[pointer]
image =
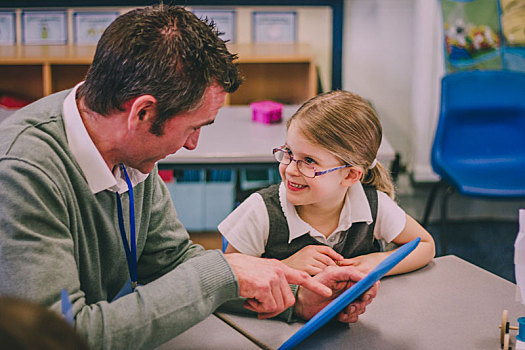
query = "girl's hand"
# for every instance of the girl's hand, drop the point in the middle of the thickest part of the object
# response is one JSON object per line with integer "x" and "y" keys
{"x": 313, "y": 259}
{"x": 338, "y": 279}
{"x": 364, "y": 263}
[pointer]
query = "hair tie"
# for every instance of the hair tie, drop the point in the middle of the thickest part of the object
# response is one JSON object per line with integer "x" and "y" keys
{"x": 372, "y": 166}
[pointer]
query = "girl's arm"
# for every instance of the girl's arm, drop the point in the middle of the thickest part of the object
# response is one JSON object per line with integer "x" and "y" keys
{"x": 421, "y": 256}
{"x": 424, "y": 252}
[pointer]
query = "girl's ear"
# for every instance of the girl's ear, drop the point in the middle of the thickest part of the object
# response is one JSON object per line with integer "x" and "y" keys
{"x": 353, "y": 175}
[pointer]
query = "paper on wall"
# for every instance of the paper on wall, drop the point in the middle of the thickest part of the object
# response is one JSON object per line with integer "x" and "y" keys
{"x": 519, "y": 259}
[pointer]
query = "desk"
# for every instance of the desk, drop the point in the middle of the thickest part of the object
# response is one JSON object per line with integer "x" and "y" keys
{"x": 212, "y": 333}
{"x": 235, "y": 141}
{"x": 449, "y": 304}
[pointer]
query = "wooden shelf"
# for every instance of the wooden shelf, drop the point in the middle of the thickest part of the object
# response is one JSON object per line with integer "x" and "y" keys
{"x": 281, "y": 72}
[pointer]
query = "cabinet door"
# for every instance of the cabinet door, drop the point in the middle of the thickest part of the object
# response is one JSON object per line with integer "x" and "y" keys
{"x": 25, "y": 81}
{"x": 64, "y": 76}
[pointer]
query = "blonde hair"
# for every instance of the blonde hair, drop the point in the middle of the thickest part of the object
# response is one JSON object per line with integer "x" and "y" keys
{"x": 347, "y": 126}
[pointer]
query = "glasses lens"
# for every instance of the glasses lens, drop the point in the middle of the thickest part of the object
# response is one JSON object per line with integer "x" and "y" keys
{"x": 305, "y": 169}
{"x": 281, "y": 156}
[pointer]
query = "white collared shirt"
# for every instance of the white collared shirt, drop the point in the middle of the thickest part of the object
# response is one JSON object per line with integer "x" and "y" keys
{"x": 95, "y": 169}
{"x": 247, "y": 227}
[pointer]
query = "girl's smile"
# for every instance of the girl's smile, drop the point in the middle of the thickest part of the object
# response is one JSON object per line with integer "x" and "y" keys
{"x": 293, "y": 186}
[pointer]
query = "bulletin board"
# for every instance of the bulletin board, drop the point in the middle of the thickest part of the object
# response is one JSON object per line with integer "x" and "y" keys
{"x": 484, "y": 34}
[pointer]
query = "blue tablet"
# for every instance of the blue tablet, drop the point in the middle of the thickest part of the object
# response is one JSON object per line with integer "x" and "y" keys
{"x": 349, "y": 295}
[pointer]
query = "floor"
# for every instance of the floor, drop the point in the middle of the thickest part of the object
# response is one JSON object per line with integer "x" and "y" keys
{"x": 479, "y": 231}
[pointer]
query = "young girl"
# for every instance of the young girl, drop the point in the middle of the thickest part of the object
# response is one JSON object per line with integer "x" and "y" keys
{"x": 335, "y": 202}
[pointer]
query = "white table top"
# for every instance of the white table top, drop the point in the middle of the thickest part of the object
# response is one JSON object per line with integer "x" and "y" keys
{"x": 449, "y": 304}
{"x": 235, "y": 139}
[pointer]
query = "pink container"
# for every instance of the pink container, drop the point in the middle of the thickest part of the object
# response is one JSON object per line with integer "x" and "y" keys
{"x": 267, "y": 112}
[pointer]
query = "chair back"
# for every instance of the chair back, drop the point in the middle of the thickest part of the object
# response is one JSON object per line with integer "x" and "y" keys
{"x": 481, "y": 133}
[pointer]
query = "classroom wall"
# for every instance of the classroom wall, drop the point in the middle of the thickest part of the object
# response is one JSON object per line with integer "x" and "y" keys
{"x": 392, "y": 56}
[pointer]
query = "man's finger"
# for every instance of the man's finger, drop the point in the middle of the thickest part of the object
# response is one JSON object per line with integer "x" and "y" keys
{"x": 277, "y": 296}
{"x": 314, "y": 270}
{"x": 303, "y": 279}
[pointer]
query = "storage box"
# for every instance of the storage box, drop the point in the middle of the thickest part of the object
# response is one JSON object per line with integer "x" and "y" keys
{"x": 203, "y": 198}
{"x": 266, "y": 112}
{"x": 188, "y": 197}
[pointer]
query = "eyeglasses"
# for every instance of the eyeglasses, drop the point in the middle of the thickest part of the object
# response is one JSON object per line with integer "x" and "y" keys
{"x": 285, "y": 157}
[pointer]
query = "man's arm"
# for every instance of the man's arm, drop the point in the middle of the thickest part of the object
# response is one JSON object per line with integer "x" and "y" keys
{"x": 39, "y": 255}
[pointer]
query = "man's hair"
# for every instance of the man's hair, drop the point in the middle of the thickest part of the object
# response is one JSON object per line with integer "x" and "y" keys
{"x": 164, "y": 51}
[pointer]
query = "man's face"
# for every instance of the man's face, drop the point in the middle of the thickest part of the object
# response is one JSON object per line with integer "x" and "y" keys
{"x": 182, "y": 130}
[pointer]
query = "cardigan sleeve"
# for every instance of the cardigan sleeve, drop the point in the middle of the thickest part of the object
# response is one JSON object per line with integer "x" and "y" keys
{"x": 38, "y": 257}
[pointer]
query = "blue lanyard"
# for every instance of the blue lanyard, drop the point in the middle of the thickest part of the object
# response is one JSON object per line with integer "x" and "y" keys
{"x": 131, "y": 254}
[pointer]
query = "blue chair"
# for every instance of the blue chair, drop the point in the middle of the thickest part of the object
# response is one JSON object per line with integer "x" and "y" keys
{"x": 479, "y": 145}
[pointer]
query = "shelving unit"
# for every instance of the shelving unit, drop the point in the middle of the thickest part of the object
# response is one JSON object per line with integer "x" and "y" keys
{"x": 281, "y": 72}
{"x": 37, "y": 71}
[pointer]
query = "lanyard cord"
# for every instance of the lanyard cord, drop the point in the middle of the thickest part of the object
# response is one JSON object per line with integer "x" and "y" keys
{"x": 131, "y": 254}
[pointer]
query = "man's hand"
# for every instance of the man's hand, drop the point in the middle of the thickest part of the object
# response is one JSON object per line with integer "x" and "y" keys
{"x": 264, "y": 282}
{"x": 338, "y": 279}
{"x": 313, "y": 259}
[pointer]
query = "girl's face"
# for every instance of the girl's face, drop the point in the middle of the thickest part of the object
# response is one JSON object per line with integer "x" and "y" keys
{"x": 327, "y": 190}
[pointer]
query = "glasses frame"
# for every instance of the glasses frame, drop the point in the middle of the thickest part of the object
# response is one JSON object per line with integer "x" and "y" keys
{"x": 299, "y": 161}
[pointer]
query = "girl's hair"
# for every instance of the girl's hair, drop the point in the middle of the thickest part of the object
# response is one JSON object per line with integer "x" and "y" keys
{"x": 347, "y": 126}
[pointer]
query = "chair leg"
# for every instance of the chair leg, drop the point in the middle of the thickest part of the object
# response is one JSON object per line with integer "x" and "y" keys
{"x": 443, "y": 225}
{"x": 430, "y": 203}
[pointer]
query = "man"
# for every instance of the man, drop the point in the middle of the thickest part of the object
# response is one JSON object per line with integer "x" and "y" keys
{"x": 74, "y": 164}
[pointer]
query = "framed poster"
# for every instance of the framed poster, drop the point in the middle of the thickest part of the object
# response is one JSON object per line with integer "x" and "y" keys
{"x": 224, "y": 19}
{"x": 274, "y": 27}
{"x": 44, "y": 27}
{"x": 7, "y": 28}
{"x": 89, "y": 26}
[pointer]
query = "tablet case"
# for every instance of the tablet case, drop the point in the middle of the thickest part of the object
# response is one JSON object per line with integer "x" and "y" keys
{"x": 339, "y": 303}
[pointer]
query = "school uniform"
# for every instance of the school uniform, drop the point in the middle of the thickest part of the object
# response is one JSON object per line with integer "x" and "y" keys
{"x": 267, "y": 225}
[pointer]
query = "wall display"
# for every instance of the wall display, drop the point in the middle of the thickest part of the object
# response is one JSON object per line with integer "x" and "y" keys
{"x": 224, "y": 19}
{"x": 44, "y": 27}
{"x": 274, "y": 27}
{"x": 7, "y": 28}
{"x": 89, "y": 26}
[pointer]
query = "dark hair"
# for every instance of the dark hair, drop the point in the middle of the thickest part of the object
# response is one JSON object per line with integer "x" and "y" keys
{"x": 25, "y": 325}
{"x": 164, "y": 51}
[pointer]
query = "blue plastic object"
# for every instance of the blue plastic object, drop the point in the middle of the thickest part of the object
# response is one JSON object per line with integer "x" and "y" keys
{"x": 479, "y": 145}
{"x": 521, "y": 329}
{"x": 349, "y": 295}
{"x": 224, "y": 244}
{"x": 67, "y": 307}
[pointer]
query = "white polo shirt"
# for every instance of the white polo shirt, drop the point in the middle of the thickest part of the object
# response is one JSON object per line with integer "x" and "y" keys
{"x": 247, "y": 227}
{"x": 95, "y": 169}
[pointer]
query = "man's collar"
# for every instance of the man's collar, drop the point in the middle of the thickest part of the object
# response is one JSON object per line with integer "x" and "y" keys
{"x": 95, "y": 169}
